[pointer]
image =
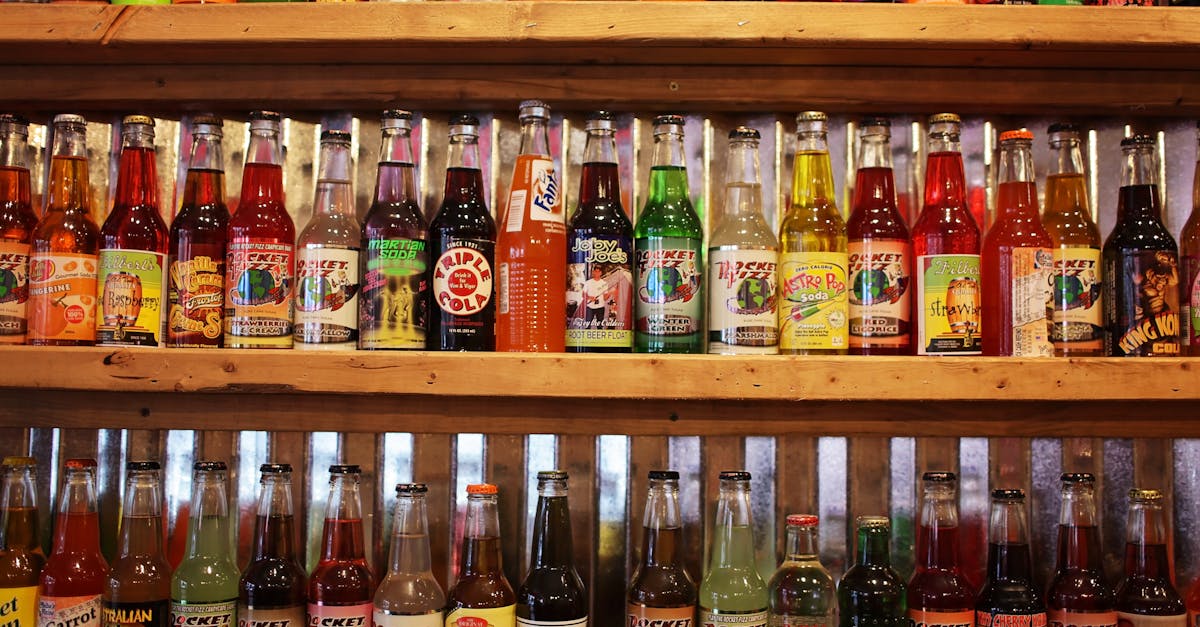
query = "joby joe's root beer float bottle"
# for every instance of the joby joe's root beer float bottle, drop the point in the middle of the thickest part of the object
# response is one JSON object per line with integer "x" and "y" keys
{"x": 17, "y": 221}
{"x": 801, "y": 592}
{"x": 340, "y": 589}
{"x": 138, "y": 589}
{"x": 732, "y": 593}
{"x": 272, "y": 588}
{"x": 552, "y": 594}
{"x": 73, "y": 579}
{"x": 482, "y": 594}
{"x": 204, "y": 588}
{"x": 1008, "y": 596}
{"x": 409, "y": 595}
{"x": 938, "y": 593}
{"x": 661, "y": 592}
{"x": 1078, "y": 593}
{"x": 871, "y": 594}
{"x": 1146, "y": 596}
{"x": 21, "y": 556}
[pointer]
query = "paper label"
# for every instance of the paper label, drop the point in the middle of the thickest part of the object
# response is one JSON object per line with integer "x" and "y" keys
{"x": 534, "y": 190}
{"x": 130, "y": 292}
{"x": 527, "y": 622}
{"x": 62, "y": 297}
{"x": 150, "y": 614}
{"x": 1125, "y": 619}
{"x": 217, "y": 614}
{"x": 483, "y": 617}
{"x": 880, "y": 293}
{"x": 784, "y": 620}
{"x": 948, "y": 305}
{"x": 1190, "y": 313}
{"x": 814, "y": 309}
{"x": 1150, "y": 285}
{"x": 392, "y": 312}
{"x": 385, "y": 618}
{"x": 18, "y": 606}
{"x": 359, "y": 615}
{"x": 717, "y": 618}
{"x": 668, "y": 282}
{"x": 1030, "y": 298}
{"x": 1065, "y": 618}
{"x": 742, "y": 295}
{"x": 281, "y": 617}
{"x": 196, "y": 297}
{"x": 600, "y": 291}
{"x": 988, "y": 619}
{"x": 462, "y": 278}
{"x": 326, "y": 297}
{"x": 965, "y": 618}
{"x": 638, "y": 615}
{"x": 258, "y": 305}
{"x": 1075, "y": 293}
{"x": 81, "y": 611}
{"x": 14, "y": 292}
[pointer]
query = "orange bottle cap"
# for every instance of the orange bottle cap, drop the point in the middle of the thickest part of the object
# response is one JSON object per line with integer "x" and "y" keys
{"x": 482, "y": 488}
{"x": 1021, "y": 134}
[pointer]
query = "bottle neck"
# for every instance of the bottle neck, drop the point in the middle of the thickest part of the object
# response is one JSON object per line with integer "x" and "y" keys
{"x": 1077, "y": 529}
{"x": 599, "y": 180}
{"x": 1008, "y": 524}
{"x": 1016, "y": 162}
{"x": 264, "y": 146}
{"x": 334, "y": 196}
{"x": 14, "y": 146}
{"x": 743, "y": 183}
{"x": 274, "y": 534}
{"x": 875, "y": 148}
{"x": 1140, "y": 166}
{"x": 801, "y": 543}
{"x": 812, "y": 179}
{"x": 78, "y": 528}
{"x": 733, "y": 542}
{"x": 410, "y": 537}
{"x": 137, "y": 181}
{"x": 873, "y": 549}
{"x": 343, "y": 532}
{"x": 206, "y": 153}
{"x": 668, "y": 176}
{"x": 662, "y": 524}
{"x": 205, "y": 184}
{"x": 1146, "y": 541}
{"x": 464, "y": 179}
{"x": 18, "y": 506}
{"x": 552, "y": 546}
{"x": 141, "y": 522}
{"x": 535, "y": 136}
{"x": 945, "y": 185}
{"x": 68, "y": 183}
{"x": 396, "y": 181}
{"x": 481, "y": 534}
{"x": 208, "y": 529}
{"x": 937, "y": 545}
{"x": 262, "y": 181}
{"x": 1066, "y": 190}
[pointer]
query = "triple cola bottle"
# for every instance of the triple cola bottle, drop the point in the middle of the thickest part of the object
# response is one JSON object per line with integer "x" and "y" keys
{"x": 340, "y": 589}
{"x": 138, "y": 589}
{"x": 21, "y": 556}
{"x": 871, "y": 594}
{"x": 482, "y": 594}
{"x": 1078, "y": 594}
{"x": 409, "y": 595}
{"x": 661, "y": 591}
{"x": 1146, "y": 597}
{"x": 732, "y": 593}
{"x": 272, "y": 588}
{"x": 801, "y": 592}
{"x": 552, "y": 594}
{"x": 938, "y": 593}
{"x": 17, "y": 221}
{"x": 1008, "y": 597}
{"x": 73, "y": 579}
{"x": 204, "y": 588}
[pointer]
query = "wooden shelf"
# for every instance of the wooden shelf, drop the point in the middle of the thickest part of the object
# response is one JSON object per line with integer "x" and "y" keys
{"x": 626, "y": 55}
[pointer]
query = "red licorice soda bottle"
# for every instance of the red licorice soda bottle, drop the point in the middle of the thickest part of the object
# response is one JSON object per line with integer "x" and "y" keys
{"x": 17, "y": 221}
{"x": 342, "y": 586}
{"x": 938, "y": 593}
{"x": 1078, "y": 595}
{"x": 74, "y": 576}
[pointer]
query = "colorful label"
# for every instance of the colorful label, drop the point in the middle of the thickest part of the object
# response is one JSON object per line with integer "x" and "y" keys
{"x": 14, "y": 293}
{"x": 717, "y": 618}
{"x": 638, "y": 615}
{"x": 965, "y": 618}
{"x": 258, "y": 305}
{"x": 785, "y": 620}
{"x": 814, "y": 310}
{"x": 1125, "y": 619}
{"x": 880, "y": 293}
{"x": 384, "y": 618}
{"x": 988, "y": 619}
{"x": 151, "y": 614}
{"x": 62, "y": 297}
{"x": 326, "y": 297}
{"x": 948, "y": 305}
{"x": 218, "y": 614}
{"x": 1150, "y": 281}
{"x": 81, "y": 611}
{"x": 483, "y": 617}
{"x": 600, "y": 292}
{"x": 668, "y": 278}
{"x": 1030, "y": 298}
{"x": 742, "y": 297}
{"x": 360, "y": 615}
{"x": 130, "y": 292}
{"x": 391, "y": 314}
{"x": 282, "y": 617}
{"x": 196, "y": 297}
{"x": 1075, "y": 293}
{"x": 527, "y": 622}
{"x": 534, "y": 191}
{"x": 462, "y": 278}
{"x": 18, "y": 606}
{"x": 1066, "y": 618}
{"x": 1190, "y": 311}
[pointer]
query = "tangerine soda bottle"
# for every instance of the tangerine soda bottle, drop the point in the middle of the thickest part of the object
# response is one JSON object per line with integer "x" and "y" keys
{"x": 73, "y": 579}
{"x": 21, "y": 556}
{"x": 340, "y": 590}
{"x": 17, "y": 221}
{"x": 138, "y": 590}
{"x": 1078, "y": 593}
{"x": 938, "y": 593}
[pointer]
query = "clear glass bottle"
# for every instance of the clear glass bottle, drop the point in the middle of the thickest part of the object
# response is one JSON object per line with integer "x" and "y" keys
{"x": 871, "y": 593}
{"x": 801, "y": 592}
{"x": 552, "y": 594}
{"x": 138, "y": 590}
{"x": 1147, "y": 597}
{"x": 482, "y": 594}
{"x": 732, "y": 593}
{"x": 204, "y": 588}
{"x": 21, "y": 556}
{"x": 1008, "y": 596}
{"x": 272, "y": 588}
{"x": 17, "y": 221}
{"x": 661, "y": 588}
{"x": 1078, "y": 593}
{"x": 341, "y": 586}
{"x": 938, "y": 593}
{"x": 409, "y": 595}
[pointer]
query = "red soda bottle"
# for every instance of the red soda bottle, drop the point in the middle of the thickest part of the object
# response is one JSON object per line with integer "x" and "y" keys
{"x": 1146, "y": 597}
{"x": 938, "y": 593}
{"x": 17, "y": 220}
{"x": 1078, "y": 594}
{"x": 75, "y": 572}
{"x": 341, "y": 586}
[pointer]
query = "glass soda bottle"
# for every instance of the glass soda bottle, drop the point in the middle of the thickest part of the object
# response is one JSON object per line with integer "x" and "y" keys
{"x": 742, "y": 254}
{"x": 260, "y": 265}
{"x": 1078, "y": 593}
{"x": 812, "y": 265}
{"x": 1008, "y": 597}
{"x": 801, "y": 592}
{"x": 1141, "y": 264}
{"x": 661, "y": 592}
{"x": 1077, "y": 316}
{"x": 600, "y": 250}
{"x": 732, "y": 593}
{"x": 392, "y": 307}
{"x": 73, "y": 579}
{"x": 462, "y": 241}
{"x": 204, "y": 588}
{"x": 66, "y": 241}
{"x": 482, "y": 594}
{"x": 1147, "y": 595}
{"x": 198, "y": 245}
{"x": 17, "y": 221}
{"x": 552, "y": 594}
{"x": 938, "y": 593}
{"x": 668, "y": 236}
{"x": 880, "y": 252}
{"x": 327, "y": 252}
{"x": 1189, "y": 252}
{"x": 1016, "y": 264}
{"x": 271, "y": 592}
{"x": 531, "y": 247}
{"x": 946, "y": 305}
{"x": 132, "y": 279}
{"x": 21, "y": 556}
{"x": 138, "y": 588}
{"x": 409, "y": 595}
{"x": 340, "y": 589}
{"x": 871, "y": 594}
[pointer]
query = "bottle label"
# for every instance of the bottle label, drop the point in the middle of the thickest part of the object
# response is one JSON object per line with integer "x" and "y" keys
{"x": 327, "y": 296}
{"x": 360, "y": 615}
{"x": 1125, "y": 619}
{"x": 784, "y": 620}
{"x": 384, "y": 618}
{"x": 258, "y": 305}
{"x": 462, "y": 277}
{"x": 196, "y": 293}
{"x": 717, "y": 618}
{"x": 62, "y": 297}
{"x": 814, "y": 310}
{"x": 600, "y": 292}
{"x": 965, "y": 618}
{"x": 1067, "y": 618}
{"x": 742, "y": 300}
{"x": 535, "y": 190}
{"x": 948, "y": 305}
{"x": 81, "y": 611}
{"x": 988, "y": 619}
{"x": 638, "y": 615}
{"x": 483, "y": 617}
{"x": 528, "y": 622}
{"x": 880, "y": 293}
{"x": 1078, "y": 316}
{"x": 1149, "y": 281}
{"x": 1030, "y": 299}
{"x": 218, "y": 614}
{"x": 18, "y": 606}
{"x": 14, "y": 292}
{"x": 151, "y": 614}
{"x": 392, "y": 311}
{"x": 1190, "y": 307}
{"x": 130, "y": 293}
{"x": 278, "y": 617}
{"x": 668, "y": 286}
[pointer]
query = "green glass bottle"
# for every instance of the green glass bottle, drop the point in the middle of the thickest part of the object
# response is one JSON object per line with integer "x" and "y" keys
{"x": 732, "y": 593}
{"x": 204, "y": 589}
{"x": 871, "y": 594}
{"x": 669, "y": 308}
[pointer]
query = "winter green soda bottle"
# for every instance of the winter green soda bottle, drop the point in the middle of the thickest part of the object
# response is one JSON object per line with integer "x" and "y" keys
{"x": 732, "y": 593}
{"x": 204, "y": 588}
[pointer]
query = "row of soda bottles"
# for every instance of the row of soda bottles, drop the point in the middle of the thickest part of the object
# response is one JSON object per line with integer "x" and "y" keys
{"x": 1038, "y": 284}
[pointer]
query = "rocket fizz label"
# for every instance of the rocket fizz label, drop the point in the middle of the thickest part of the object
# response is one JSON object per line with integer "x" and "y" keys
{"x": 988, "y": 619}
{"x": 1077, "y": 319}
{"x": 384, "y": 618}
{"x": 326, "y": 297}
{"x": 638, "y": 615}
{"x": 742, "y": 301}
{"x": 1030, "y": 298}
{"x": 1067, "y": 618}
{"x": 784, "y": 620}
{"x": 80, "y": 611}
{"x": 717, "y": 618}
{"x": 599, "y": 291}
{"x": 130, "y": 293}
{"x": 392, "y": 312}
{"x": 359, "y": 615}
{"x": 14, "y": 292}
{"x": 62, "y": 297}
{"x": 196, "y": 293}
{"x": 813, "y": 311}
{"x": 152, "y": 614}
{"x": 282, "y": 617}
{"x": 258, "y": 304}
{"x": 483, "y": 617}
{"x": 948, "y": 306}
{"x": 219, "y": 614}
{"x": 1151, "y": 297}
{"x": 880, "y": 293}
{"x": 964, "y": 618}
{"x": 1125, "y": 619}
{"x": 668, "y": 281}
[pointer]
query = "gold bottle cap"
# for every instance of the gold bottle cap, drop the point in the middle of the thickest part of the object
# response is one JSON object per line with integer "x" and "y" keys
{"x": 16, "y": 460}
{"x": 137, "y": 119}
{"x": 1143, "y": 494}
{"x": 941, "y": 118}
{"x": 873, "y": 522}
{"x": 812, "y": 116}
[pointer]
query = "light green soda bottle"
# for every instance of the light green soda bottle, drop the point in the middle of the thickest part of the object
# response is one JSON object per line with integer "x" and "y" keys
{"x": 204, "y": 588}
{"x": 732, "y": 593}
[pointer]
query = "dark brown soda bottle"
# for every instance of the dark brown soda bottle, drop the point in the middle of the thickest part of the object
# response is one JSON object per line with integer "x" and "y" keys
{"x": 938, "y": 593}
{"x": 21, "y": 556}
{"x": 17, "y": 221}
{"x": 482, "y": 596}
{"x": 271, "y": 592}
{"x": 1078, "y": 595}
{"x": 1146, "y": 597}
{"x": 340, "y": 590}
{"x": 552, "y": 594}
{"x": 199, "y": 238}
{"x": 1008, "y": 598}
{"x": 138, "y": 588}
{"x": 661, "y": 592}
{"x": 72, "y": 581}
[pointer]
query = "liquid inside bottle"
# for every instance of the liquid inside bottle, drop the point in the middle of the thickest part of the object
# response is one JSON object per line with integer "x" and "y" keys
{"x": 938, "y": 593}
{"x": 482, "y": 592}
{"x": 801, "y": 591}
{"x": 1078, "y": 593}
{"x": 552, "y": 594}
{"x": 17, "y": 221}
{"x": 871, "y": 593}
{"x": 732, "y": 592}
{"x": 272, "y": 588}
{"x": 1189, "y": 254}
{"x": 1146, "y": 596}
{"x": 341, "y": 587}
{"x": 1008, "y": 596}
{"x": 661, "y": 589}
{"x": 138, "y": 587}
{"x": 409, "y": 595}
{"x": 21, "y": 556}
{"x": 204, "y": 588}
{"x": 73, "y": 579}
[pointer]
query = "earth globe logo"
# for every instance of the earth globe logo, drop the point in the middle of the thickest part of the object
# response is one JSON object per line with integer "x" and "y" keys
{"x": 871, "y": 287}
{"x": 663, "y": 285}
{"x": 313, "y": 290}
{"x": 255, "y": 286}
{"x": 1071, "y": 291}
{"x": 754, "y": 295}
{"x": 10, "y": 289}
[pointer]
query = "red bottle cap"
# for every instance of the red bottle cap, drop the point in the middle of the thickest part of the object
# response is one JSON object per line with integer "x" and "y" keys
{"x": 1021, "y": 134}
{"x": 80, "y": 463}
{"x": 802, "y": 520}
{"x": 482, "y": 488}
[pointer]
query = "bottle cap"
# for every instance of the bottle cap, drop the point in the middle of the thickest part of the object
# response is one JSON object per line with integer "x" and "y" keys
{"x": 873, "y": 522}
{"x": 1078, "y": 477}
{"x": 341, "y": 137}
{"x": 79, "y": 463}
{"x": 464, "y": 119}
{"x": 411, "y": 488}
{"x": 13, "y": 118}
{"x": 802, "y": 520}
{"x": 663, "y": 475}
{"x": 600, "y": 121}
{"x": 552, "y": 475}
{"x": 1145, "y": 494}
{"x": 275, "y": 468}
{"x": 811, "y": 116}
{"x": 137, "y": 119}
{"x": 1140, "y": 139}
{"x": 15, "y": 461}
{"x": 744, "y": 132}
{"x": 1002, "y": 494}
{"x": 396, "y": 118}
{"x": 939, "y": 476}
{"x": 875, "y": 120}
{"x": 345, "y": 469}
{"x": 142, "y": 465}
{"x": 265, "y": 116}
{"x": 734, "y": 475}
{"x": 209, "y": 466}
{"x": 482, "y": 488}
{"x": 535, "y": 109}
{"x": 1062, "y": 127}
{"x": 944, "y": 118}
{"x": 69, "y": 118}
{"x": 209, "y": 119}
{"x": 669, "y": 120}
{"x": 1024, "y": 134}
